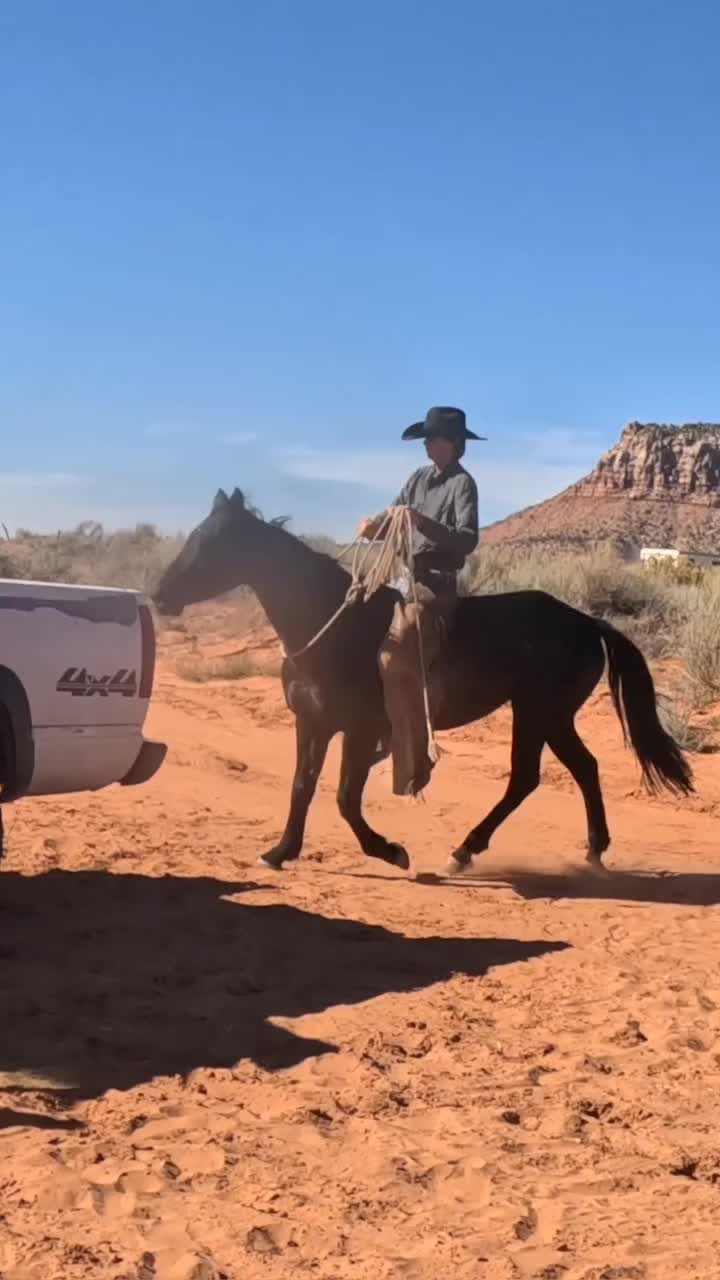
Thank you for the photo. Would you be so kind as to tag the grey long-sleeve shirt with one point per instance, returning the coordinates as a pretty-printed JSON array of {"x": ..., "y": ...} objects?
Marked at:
[{"x": 449, "y": 502}]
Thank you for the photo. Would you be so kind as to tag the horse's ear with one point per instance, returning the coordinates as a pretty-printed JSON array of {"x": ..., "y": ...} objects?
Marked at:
[
  {"x": 221, "y": 500},
  {"x": 238, "y": 498}
]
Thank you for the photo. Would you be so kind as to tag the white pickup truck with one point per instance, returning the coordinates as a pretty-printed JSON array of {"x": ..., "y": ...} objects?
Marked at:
[{"x": 76, "y": 674}]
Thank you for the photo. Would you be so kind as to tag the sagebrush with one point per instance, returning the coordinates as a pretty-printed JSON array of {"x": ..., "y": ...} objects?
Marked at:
[
  {"x": 133, "y": 558},
  {"x": 671, "y": 610},
  {"x": 668, "y": 609}
]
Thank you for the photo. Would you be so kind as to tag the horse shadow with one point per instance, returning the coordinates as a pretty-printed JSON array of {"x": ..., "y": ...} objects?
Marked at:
[
  {"x": 10, "y": 1119},
  {"x": 699, "y": 889},
  {"x": 107, "y": 981}
]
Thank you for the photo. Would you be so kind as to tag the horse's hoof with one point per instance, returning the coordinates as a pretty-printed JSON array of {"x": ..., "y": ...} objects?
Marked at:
[
  {"x": 594, "y": 850},
  {"x": 399, "y": 857},
  {"x": 428, "y": 877},
  {"x": 271, "y": 862},
  {"x": 595, "y": 867},
  {"x": 457, "y": 864}
]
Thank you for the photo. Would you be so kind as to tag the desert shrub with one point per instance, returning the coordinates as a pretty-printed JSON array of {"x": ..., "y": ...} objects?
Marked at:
[
  {"x": 676, "y": 716},
  {"x": 670, "y": 608},
  {"x": 677, "y": 572},
  {"x": 133, "y": 558},
  {"x": 236, "y": 666},
  {"x": 494, "y": 569},
  {"x": 700, "y": 647},
  {"x": 644, "y": 605},
  {"x": 8, "y": 567}
]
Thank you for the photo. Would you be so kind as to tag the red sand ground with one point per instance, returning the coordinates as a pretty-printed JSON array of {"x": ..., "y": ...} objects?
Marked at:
[{"x": 209, "y": 1070}]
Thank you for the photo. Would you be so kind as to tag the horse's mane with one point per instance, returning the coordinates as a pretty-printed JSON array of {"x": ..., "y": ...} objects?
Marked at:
[
  {"x": 282, "y": 523},
  {"x": 278, "y": 522}
]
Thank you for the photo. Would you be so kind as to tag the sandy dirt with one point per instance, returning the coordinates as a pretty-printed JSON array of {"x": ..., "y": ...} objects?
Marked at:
[{"x": 208, "y": 1070}]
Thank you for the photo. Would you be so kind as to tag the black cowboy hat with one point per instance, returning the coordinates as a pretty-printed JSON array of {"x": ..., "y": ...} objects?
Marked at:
[{"x": 441, "y": 421}]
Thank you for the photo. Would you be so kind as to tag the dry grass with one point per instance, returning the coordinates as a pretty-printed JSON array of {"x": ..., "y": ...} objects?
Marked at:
[
  {"x": 701, "y": 642},
  {"x": 133, "y": 558},
  {"x": 677, "y": 716},
  {"x": 598, "y": 582},
  {"x": 231, "y": 666},
  {"x": 669, "y": 610},
  {"x": 238, "y": 666},
  {"x": 646, "y": 605}
]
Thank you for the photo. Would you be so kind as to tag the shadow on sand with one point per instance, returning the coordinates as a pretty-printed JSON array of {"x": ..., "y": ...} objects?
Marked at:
[
  {"x": 35, "y": 1120},
  {"x": 108, "y": 980},
  {"x": 700, "y": 889}
]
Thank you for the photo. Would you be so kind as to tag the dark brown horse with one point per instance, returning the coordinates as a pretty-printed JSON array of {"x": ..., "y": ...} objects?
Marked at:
[{"x": 522, "y": 647}]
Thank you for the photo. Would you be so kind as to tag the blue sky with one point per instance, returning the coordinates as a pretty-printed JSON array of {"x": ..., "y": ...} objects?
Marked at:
[{"x": 248, "y": 243}]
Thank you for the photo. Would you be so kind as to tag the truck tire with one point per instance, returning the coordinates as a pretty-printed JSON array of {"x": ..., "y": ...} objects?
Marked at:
[{"x": 17, "y": 749}]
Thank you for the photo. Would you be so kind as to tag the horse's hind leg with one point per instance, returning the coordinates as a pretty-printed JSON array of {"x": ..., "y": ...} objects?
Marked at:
[
  {"x": 527, "y": 745},
  {"x": 571, "y": 751},
  {"x": 360, "y": 751}
]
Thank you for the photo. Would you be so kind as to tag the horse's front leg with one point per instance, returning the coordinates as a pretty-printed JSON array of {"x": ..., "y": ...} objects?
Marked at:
[
  {"x": 312, "y": 738},
  {"x": 360, "y": 751},
  {"x": 527, "y": 747}
]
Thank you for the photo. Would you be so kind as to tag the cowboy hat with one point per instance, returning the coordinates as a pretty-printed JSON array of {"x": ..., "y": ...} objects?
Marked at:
[{"x": 441, "y": 421}]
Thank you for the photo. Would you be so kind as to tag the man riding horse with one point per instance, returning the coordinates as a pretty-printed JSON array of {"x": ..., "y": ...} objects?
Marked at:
[{"x": 442, "y": 501}]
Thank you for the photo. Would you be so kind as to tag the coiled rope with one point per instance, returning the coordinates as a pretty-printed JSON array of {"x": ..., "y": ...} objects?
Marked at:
[{"x": 394, "y": 536}]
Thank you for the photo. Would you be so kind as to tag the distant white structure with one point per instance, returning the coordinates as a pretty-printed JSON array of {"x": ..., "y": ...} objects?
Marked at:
[
  {"x": 700, "y": 559},
  {"x": 648, "y": 554}
]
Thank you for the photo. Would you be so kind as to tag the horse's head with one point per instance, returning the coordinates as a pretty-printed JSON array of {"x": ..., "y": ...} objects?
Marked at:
[{"x": 214, "y": 558}]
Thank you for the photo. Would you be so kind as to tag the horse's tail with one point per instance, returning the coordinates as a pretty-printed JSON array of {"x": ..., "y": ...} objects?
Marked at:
[{"x": 633, "y": 693}]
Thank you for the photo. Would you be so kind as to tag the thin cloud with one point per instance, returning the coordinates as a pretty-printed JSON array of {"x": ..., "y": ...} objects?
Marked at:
[
  {"x": 373, "y": 469},
  {"x": 237, "y": 437},
  {"x": 19, "y": 480},
  {"x": 565, "y": 444},
  {"x": 169, "y": 430},
  {"x": 178, "y": 430},
  {"x": 511, "y": 482}
]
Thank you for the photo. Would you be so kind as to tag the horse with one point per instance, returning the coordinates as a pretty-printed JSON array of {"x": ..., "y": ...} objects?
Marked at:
[{"x": 526, "y": 648}]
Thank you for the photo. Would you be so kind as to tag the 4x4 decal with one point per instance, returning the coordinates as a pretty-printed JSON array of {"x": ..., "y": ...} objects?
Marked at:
[{"x": 78, "y": 682}]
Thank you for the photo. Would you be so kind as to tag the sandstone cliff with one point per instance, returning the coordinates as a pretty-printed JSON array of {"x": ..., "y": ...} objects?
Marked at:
[{"x": 658, "y": 486}]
